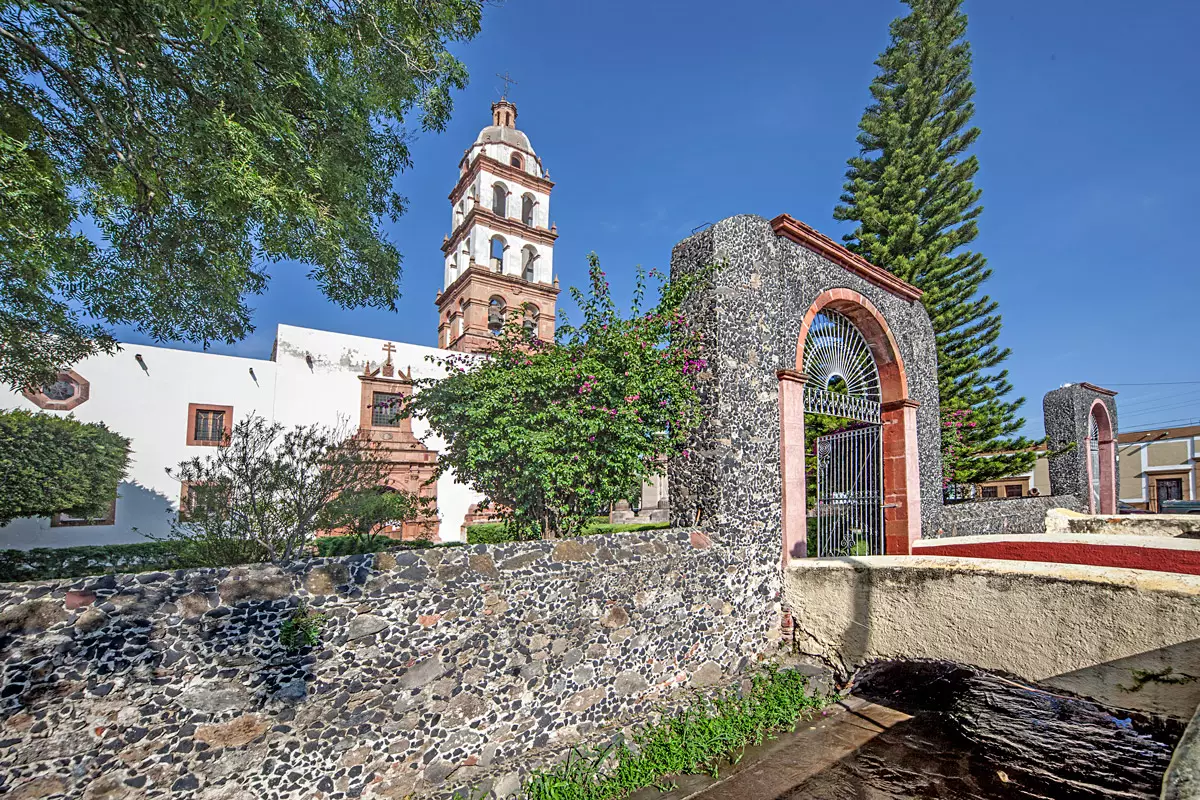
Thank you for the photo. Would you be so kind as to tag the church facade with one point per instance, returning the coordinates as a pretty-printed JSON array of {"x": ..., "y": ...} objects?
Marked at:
[{"x": 177, "y": 404}]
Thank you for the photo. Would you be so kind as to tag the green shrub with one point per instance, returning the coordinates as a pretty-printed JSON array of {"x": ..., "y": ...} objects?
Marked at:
[
  {"x": 351, "y": 545},
  {"x": 48, "y": 563},
  {"x": 51, "y": 563},
  {"x": 302, "y": 628},
  {"x": 625, "y": 527},
  {"x": 498, "y": 532},
  {"x": 697, "y": 740},
  {"x": 56, "y": 465}
]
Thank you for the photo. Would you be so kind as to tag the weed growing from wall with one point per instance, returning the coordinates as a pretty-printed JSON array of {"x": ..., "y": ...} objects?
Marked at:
[
  {"x": 698, "y": 740},
  {"x": 302, "y": 629}
]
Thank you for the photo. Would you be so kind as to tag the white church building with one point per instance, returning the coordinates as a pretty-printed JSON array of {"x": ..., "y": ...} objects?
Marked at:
[{"x": 176, "y": 404}]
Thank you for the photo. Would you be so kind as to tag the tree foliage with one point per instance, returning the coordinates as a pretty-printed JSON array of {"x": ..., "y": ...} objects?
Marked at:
[
  {"x": 196, "y": 140},
  {"x": 553, "y": 432},
  {"x": 364, "y": 513},
  {"x": 51, "y": 464},
  {"x": 261, "y": 497},
  {"x": 911, "y": 192}
]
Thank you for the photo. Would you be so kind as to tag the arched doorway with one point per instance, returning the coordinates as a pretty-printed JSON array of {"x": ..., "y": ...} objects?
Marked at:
[
  {"x": 848, "y": 366},
  {"x": 842, "y": 401},
  {"x": 1101, "y": 461}
]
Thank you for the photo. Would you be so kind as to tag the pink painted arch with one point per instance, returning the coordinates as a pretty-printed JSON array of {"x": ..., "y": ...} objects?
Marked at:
[
  {"x": 1106, "y": 445},
  {"x": 901, "y": 475}
]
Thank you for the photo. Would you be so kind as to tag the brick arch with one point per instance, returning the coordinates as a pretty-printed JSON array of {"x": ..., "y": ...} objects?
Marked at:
[
  {"x": 901, "y": 471},
  {"x": 1108, "y": 460},
  {"x": 893, "y": 381}
]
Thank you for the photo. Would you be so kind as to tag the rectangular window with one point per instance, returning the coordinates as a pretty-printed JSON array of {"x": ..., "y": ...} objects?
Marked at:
[
  {"x": 209, "y": 425},
  {"x": 1170, "y": 489},
  {"x": 1014, "y": 490},
  {"x": 989, "y": 492},
  {"x": 203, "y": 496},
  {"x": 385, "y": 409},
  {"x": 62, "y": 520}
]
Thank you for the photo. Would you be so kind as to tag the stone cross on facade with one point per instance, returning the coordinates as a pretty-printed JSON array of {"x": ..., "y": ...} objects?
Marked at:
[{"x": 388, "y": 370}]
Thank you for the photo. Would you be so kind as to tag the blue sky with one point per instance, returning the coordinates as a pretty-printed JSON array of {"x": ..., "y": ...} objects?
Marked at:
[{"x": 656, "y": 117}]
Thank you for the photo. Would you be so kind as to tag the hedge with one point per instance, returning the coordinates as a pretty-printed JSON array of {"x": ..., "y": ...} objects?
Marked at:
[
  {"x": 328, "y": 546},
  {"x": 497, "y": 532},
  {"x": 47, "y": 563},
  {"x": 50, "y": 563},
  {"x": 56, "y": 464}
]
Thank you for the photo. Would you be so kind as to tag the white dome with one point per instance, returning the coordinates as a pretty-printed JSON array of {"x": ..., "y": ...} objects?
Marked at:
[{"x": 499, "y": 134}]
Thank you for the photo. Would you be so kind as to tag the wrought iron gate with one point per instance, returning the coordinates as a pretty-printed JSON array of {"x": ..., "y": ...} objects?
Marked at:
[
  {"x": 850, "y": 493},
  {"x": 1093, "y": 447}
]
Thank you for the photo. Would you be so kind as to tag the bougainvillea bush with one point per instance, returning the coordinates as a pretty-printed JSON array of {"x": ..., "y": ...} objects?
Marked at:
[{"x": 553, "y": 432}]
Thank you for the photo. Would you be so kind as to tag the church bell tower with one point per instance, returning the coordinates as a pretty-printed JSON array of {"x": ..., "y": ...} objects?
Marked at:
[{"x": 499, "y": 256}]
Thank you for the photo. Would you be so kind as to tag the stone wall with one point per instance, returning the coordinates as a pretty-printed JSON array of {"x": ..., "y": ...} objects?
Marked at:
[
  {"x": 437, "y": 668},
  {"x": 1067, "y": 412},
  {"x": 1126, "y": 638},
  {"x": 1018, "y": 515}
]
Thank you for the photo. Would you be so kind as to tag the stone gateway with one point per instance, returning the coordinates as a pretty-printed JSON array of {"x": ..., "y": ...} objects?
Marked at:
[{"x": 746, "y": 467}]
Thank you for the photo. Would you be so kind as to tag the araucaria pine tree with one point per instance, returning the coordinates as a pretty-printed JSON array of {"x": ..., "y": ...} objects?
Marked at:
[{"x": 910, "y": 190}]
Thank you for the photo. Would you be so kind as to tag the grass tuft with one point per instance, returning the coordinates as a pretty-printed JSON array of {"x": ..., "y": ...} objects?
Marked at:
[{"x": 698, "y": 740}]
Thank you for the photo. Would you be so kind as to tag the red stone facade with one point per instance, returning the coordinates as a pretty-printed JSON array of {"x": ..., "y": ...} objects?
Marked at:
[
  {"x": 411, "y": 465},
  {"x": 464, "y": 307}
]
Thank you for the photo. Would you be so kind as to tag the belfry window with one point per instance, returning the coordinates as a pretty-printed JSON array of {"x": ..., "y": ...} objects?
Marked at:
[
  {"x": 496, "y": 313},
  {"x": 530, "y": 321},
  {"x": 528, "y": 257},
  {"x": 499, "y": 201},
  {"x": 517, "y": 161},
  {"x": 497, "y": 254},
  {"x": 527, "y": 206}
]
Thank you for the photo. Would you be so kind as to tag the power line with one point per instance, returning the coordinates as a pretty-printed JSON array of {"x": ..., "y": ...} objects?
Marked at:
[{"x": 1157, "y": 383}]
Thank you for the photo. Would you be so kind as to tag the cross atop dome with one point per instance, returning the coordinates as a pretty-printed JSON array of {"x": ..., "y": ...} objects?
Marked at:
[{"x": 507, "y": 80}]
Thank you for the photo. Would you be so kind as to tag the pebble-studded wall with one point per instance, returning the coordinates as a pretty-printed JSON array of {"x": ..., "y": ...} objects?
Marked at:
[
  {"x": 1067, "y": 411},
  {"x": 436, "y": 669},
  {"x": 1018, "y": 515}
]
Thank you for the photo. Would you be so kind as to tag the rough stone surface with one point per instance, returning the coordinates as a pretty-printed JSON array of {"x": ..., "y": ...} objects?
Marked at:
[
  {"x": 1182, "y": 781},
  {"x": 365, "y": 625},
  {"x": 1062, "y": 521},
  {"x": 1067, "y": 413},
  {"x": 436, "y": 669},
  {"x": 1126, "y": 638},
  {"x": 1019, "y": 515},
  {"x": 751, "y": 319}
]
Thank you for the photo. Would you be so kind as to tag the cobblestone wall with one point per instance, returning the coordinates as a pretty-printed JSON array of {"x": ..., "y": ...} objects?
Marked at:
[
  {"x": 1019, "y": 515},
  {"x": 437, "y": 667}
]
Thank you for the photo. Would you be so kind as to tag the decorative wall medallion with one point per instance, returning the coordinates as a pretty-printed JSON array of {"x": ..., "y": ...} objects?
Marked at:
[{"x": 69, "y": 390}]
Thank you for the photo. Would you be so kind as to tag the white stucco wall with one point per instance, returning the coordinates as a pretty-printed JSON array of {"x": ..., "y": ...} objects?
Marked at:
[{"x": 150, "y": 407}]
